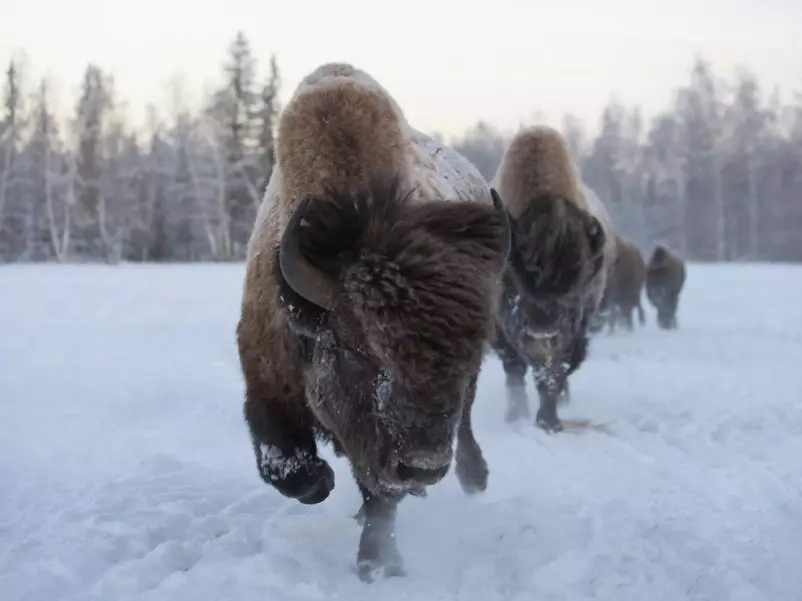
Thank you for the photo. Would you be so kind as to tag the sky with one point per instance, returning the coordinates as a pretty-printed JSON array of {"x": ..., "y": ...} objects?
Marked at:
[{"x": 448, "y": 63}]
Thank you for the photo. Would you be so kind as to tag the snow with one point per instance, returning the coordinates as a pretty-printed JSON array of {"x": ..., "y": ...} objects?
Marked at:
[{"x": 126, "y": 471}]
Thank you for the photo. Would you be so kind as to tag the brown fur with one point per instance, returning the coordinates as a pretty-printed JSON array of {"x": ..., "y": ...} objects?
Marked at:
[
  {"x": 388, "y": 373},
  {"x": 665, "y": 278},
  {"x": 537, "y": 165},
  {"x": 626, "y": 283},
  {"x": 552, "y": 280}
]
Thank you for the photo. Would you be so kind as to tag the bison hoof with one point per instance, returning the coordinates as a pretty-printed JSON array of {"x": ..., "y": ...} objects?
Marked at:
[
  {"x": 472, "y": 475},
  {"x": 310, "y": 485},
  {"x": 552, "y": 425},
  {"x": 368, "y": 569}
]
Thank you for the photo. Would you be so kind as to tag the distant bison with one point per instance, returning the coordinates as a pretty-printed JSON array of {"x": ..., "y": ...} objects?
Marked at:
[
  {"x": 372, "y": 280},
  {"x": 556, "y": 271},
  {"x": 665, "y": 277},
  {"x": 623, "y": 293}
]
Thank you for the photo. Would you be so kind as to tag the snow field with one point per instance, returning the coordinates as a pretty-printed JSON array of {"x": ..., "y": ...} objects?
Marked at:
[{"x": 126, "y": 471}]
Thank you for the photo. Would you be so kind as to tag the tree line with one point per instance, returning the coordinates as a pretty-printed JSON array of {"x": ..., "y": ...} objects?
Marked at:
[{"x": 717, "y": 176}]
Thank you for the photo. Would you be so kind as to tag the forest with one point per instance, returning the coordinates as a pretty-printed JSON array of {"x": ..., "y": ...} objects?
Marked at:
[{"x": 717, "y": 176}]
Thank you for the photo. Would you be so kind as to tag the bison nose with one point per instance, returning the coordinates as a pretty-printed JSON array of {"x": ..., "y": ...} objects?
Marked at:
[{"x": 424, "y": 466}]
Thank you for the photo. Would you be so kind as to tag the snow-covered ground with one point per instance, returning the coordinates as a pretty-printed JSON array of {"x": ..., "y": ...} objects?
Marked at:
[{"x": 126, "y": 472}]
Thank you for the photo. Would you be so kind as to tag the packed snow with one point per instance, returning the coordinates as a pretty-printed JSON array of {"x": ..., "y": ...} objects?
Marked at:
[{"x": 126, "y": 471}]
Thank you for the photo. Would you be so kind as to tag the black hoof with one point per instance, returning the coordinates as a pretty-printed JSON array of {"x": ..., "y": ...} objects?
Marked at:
[
  {"x": 368, "y": 570},
  {"x": 310, "y": 485},
  {"x": 551, "y": 425},
  {"x": 472, "y": 476}
]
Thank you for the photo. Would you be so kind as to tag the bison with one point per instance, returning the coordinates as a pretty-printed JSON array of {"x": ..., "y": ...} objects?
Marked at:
[
  {"x": 623, "y": 293},
  {"x": 373, "y": 274},
  {"x": 665, "y": 277},
  {"x": 556, "y": 273}
]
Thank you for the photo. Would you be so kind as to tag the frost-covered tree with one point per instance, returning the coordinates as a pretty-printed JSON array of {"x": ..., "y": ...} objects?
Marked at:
[
  {"x": 484, "y": 146},
  {"x": 717, "y": 175},
  {"x": 11, "y": 126}
]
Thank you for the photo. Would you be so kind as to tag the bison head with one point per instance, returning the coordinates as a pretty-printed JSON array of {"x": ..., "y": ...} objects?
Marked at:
[
  {"x": 393, "y": 301},
  {"x": 557, "y": 251},
  {"x": 665, "y": 276}
]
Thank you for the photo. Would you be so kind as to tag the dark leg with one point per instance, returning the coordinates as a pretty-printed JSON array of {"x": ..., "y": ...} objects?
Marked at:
[
  {"x": 515, "y": 368},
  {"x": 641, "y": 313},
  {"x": 550, "y": 381},
  {"x": 471, "y": 469},
  {"x": 286, "y": 452},
  {"x": 281, "y": 425},
  {"x": 628, "y": 321},
  {"x": 377, "y": 545}
]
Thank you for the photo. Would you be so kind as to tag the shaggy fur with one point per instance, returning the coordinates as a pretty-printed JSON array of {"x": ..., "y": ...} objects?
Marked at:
[
  {"x": 623, "y": 293},
  {"x": 551, "y": 286},
  {"x": 407, "y": 234},
  {"x": 665, "y": 278}
]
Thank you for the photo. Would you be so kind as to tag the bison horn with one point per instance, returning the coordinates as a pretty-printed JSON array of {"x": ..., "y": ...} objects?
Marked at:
[
  {"x": 505, "y": 219},
  {"x": 304, "y": 278}
]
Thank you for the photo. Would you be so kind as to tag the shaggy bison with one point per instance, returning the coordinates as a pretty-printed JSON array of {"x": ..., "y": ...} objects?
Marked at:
[
  {"x": 665, "y": 277},
  {"x": 556, "y": 270},
  {"x": 623, "y": 293},
  {"x": 372, "y": 280}
]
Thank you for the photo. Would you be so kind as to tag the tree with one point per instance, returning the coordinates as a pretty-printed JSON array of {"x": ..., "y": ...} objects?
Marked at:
[{"x": 10, "y": 129}]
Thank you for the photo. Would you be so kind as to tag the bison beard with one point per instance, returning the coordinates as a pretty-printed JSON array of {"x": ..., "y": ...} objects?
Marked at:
[{"x": 388, "y": 306}]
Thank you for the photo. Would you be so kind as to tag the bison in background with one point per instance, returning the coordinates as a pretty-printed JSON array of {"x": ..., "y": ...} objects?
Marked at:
[
  {"x": 556, "y": 272},
  {"x": 623, "y": 293},
  {"x": 372, "y": 280},
  {"x": 665, "y": 277}
]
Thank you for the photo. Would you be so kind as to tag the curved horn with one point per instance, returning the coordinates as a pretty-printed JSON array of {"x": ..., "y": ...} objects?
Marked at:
[
  {"x": 303, "y": 277},
  {"x": 505, "y": 219}
]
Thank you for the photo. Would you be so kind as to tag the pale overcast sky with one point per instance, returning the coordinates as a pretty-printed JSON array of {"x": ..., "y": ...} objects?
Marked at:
[{"x": 448, "y": 63}]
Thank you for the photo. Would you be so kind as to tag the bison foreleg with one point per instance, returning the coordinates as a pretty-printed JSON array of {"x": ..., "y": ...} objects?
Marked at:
[
  {"x": 550, "y": 381},
  {"x": 472, "y": 469},
  {"x": 377, "y": 546},
  {"x": 515, "y": 368},
  {"x": 286, "y": 451}
]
